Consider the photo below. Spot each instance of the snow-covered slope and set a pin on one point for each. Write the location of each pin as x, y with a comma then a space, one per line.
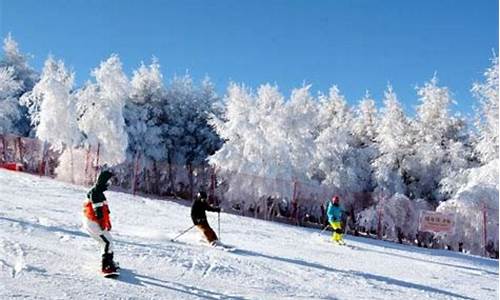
45, 255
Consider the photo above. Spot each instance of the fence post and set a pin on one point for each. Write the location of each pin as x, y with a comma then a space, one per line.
295, 212
20, 148
72, 165
42, 166
97, 161
190, 178
485, 228
136, 169
87, 162
380, 215
4, 148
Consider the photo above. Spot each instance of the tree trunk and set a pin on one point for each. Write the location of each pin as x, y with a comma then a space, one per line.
72, 165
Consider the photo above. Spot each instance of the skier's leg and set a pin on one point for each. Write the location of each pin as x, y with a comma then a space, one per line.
207, 232
105, 241
336, 229
210, 234
333, 233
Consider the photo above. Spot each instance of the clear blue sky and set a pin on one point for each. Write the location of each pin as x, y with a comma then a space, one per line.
356, 44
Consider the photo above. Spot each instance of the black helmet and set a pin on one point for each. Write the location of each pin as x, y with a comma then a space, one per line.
202, 195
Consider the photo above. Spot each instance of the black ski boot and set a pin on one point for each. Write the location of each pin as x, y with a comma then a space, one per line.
108, 266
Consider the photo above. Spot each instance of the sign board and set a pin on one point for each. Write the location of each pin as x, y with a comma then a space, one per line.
436, 222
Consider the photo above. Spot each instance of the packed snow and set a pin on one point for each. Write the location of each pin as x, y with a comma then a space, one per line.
45, 255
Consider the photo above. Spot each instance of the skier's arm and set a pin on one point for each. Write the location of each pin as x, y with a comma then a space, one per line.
329, 212
97, 204
212, 208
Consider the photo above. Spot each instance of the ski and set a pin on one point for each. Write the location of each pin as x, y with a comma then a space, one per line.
112, 275
223, 247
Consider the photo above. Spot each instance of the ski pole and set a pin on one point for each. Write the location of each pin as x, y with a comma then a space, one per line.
326, 227
182, 233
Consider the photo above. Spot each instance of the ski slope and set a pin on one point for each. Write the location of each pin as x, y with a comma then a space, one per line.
45, 255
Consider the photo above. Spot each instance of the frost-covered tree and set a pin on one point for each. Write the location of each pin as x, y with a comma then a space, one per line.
57, 117
14, 65
299, 123
100, 110
143, 113
475, 189
9, 106
398, 216
234, 127
487, 93
335, 163
365, 134
269, 143
441, 141
365, 122
189, 137
395, 141
478, 193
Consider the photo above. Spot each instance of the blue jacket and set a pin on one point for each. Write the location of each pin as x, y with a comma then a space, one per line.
334, 212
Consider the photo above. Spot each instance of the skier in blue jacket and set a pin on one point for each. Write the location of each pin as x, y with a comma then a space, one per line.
334, 212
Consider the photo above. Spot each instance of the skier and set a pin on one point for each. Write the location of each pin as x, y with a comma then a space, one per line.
199, 217
97, 223
335, 212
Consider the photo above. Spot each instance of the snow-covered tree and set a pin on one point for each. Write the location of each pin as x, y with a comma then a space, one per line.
394, 139
189, 137
143, 113
365, 122
487, 93
14, 65
9, 106
100, 109
365, 133
398, 214
234, 127
299, 123
58, 123
441, 141
475, 189
335, 163
480, 192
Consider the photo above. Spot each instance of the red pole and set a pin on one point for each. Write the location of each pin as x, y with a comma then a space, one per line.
4, 148
97, 161
20, 147
485, 227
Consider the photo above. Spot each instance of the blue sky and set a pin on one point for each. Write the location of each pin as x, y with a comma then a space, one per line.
356, 44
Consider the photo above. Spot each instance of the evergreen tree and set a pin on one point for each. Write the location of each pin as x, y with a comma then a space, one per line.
100, 111
57, 117
9, 108
335, 163
487, 94
394, 139
440, 147
143, 113
16, 64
